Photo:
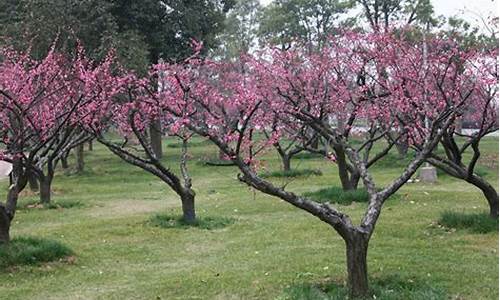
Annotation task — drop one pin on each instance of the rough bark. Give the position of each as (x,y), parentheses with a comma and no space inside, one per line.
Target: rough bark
(80,163)
(64,160)
(357,271)
(354,180)
(4,225)
(345,179)
(91,145)
(8,210)
(155,134)
(286,159)
(489,193)
(188,209)
(33,182)
(45,189)
(402,148)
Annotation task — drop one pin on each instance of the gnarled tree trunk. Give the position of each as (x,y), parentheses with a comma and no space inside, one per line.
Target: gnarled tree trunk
(33,182)
(80,163)
(45,189)
(344,175)
(8,210)
(357,271)
(64,160)
(4,225)
(155,134)
(489,193)
(188,209)
(286,160)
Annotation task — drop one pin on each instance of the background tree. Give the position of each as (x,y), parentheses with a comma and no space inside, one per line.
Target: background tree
(284,22)
(240,30)
(167,28)
(381,14)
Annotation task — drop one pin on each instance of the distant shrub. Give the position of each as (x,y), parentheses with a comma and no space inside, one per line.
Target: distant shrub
(477,223)
(31,251)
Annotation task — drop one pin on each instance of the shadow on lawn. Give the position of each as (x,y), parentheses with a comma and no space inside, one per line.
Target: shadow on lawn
(173,221)
(387,288)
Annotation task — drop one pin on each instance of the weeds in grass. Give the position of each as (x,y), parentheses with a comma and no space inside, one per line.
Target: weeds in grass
(480,170)
(292,173)
(190,144)
(53,205)
(307,155)
(476,223)
(390,288)
(172,221)
(394,160)
(31,251)
(215,162)
(336,194)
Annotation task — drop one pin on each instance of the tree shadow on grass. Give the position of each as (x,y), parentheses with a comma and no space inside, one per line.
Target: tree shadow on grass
(386,288)
(31,251)
(173,221)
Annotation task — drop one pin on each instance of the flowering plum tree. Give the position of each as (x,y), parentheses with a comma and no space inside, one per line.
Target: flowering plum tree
(396,93)
(40,112)
(483,112)
(130,114)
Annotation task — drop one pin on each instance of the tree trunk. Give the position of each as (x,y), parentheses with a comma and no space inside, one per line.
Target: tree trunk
(91,145)
(286,159)
(79,158)
(7,211)
(64,160)
(155,133)
(4,225)
(45,189)
(357,271)
(355,177)
(33,182)
(402,148)
(489,193)
(188,211)
(343,169)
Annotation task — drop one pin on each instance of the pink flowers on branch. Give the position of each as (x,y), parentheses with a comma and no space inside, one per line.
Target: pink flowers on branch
(42,107)
(388,84)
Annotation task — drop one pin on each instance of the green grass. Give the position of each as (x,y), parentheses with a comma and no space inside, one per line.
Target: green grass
(31,251)
(292,173)
(270,246)
(66,204)
(477,222)
(172,221)
(307,155)
(390,288)
(336,194)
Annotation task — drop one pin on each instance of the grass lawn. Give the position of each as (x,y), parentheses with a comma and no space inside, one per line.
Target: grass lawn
(267,248)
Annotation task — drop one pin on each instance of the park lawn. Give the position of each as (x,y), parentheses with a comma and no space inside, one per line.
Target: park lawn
(270,246)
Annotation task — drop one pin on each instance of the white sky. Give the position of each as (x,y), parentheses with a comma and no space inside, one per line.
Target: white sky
(467,9)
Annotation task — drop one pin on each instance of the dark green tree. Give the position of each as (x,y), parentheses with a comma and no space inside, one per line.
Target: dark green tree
(286,21)
(240,29)
(168,28)
(382,14)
